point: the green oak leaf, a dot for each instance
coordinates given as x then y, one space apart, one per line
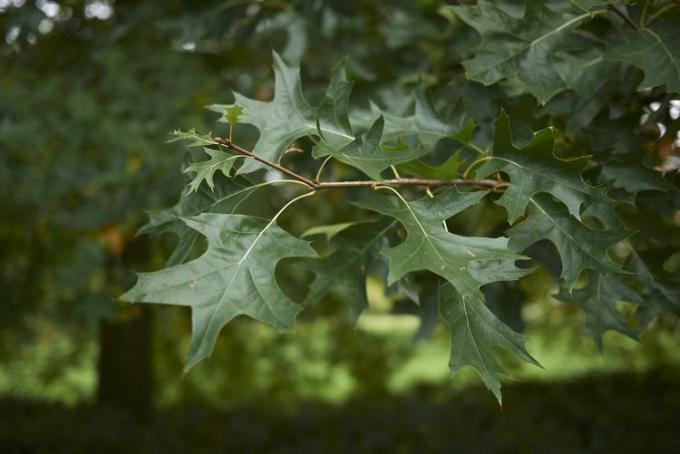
628 172
226 197
205 170
193 137
538 52
661 289
235 276
655 49
364 152
466 263
232 114
604 213
344 271
535 169
617 134
475 332
579 247
425 124
332 113
581 110
598 300
288 116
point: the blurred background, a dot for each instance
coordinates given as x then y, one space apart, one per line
89 91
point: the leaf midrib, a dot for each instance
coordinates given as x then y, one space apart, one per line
218 306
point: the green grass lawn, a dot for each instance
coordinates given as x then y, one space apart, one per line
328 361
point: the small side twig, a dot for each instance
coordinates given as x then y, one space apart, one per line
231 145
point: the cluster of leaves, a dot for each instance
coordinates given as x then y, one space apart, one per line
539 48
603 74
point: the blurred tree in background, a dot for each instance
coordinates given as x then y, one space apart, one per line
89 91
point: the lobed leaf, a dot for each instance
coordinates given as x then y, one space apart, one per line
225 198
235 276
466 263
661 289
193 137
205 170
579 247
535 169
535 49
598 300
344 271
288 116
475 332
656 50
364 153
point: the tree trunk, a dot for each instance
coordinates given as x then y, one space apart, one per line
125 368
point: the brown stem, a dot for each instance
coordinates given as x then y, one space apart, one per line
623 16
229 144
487 183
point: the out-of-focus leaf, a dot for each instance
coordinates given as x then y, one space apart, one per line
193 138
540 52
598 300
425 124
329 231
661 291
232 114
449 169
629 173
344 271
655 49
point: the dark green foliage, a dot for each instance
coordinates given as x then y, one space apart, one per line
559 112
544 49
